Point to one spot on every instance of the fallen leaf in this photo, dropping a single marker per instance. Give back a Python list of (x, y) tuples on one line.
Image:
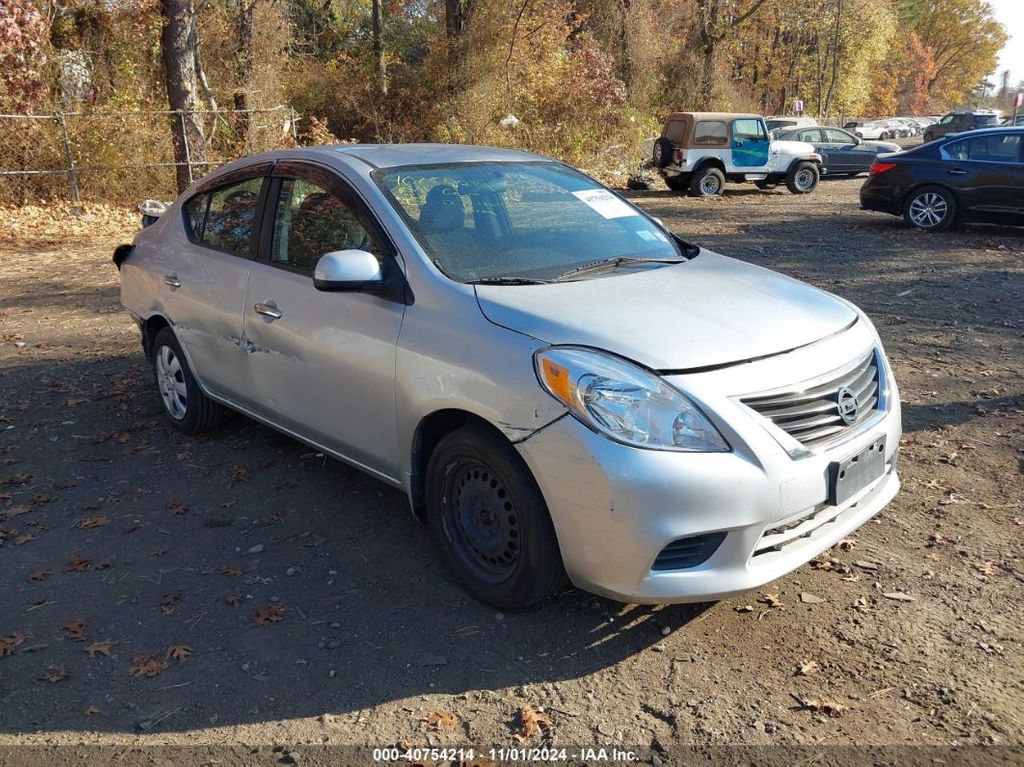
[(37, 576), (234, 599), (78, 564), (24, 538), (101, 648), (820, 706), (9, 644), (167, 602), (92, 710), (55, 674), (270, 614), (772, 600), (145, 665), (178, 652), (532, 722), (231, 571), (177, 508), (74, 630), (14, 511), (807, 668), (441, 722), (238, 474), (91, 522)]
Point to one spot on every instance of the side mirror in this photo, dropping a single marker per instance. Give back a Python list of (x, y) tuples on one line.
[(858, 140), (347, 270)]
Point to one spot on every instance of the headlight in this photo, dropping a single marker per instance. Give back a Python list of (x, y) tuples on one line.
[(625, 402)]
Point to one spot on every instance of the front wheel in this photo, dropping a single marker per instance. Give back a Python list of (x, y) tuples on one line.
[(707, 182), (489, 518), (930, 208), (803, 178), (188, 409)]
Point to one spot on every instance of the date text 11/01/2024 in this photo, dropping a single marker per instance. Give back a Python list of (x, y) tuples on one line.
[(507, 754)]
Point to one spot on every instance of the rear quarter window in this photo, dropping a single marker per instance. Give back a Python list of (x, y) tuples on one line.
[(674, 131), (711, 132)]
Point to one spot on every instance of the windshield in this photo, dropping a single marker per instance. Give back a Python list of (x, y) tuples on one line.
[(986, 119), (511, 221)]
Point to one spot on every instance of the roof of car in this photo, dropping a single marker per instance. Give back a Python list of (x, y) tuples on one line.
[(1016, 130), (392, 155), (697, 116)]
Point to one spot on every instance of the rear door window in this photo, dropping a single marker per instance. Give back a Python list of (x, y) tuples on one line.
[(998, 148), (224, 218)]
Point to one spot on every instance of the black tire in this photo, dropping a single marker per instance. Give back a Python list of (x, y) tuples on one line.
[(662, 152), (677, 183), (190, 413), (708, 181), (766, 185), (803, 177), (927, 137), (507, 558), (884, 136), (930, 208), (859, 135)]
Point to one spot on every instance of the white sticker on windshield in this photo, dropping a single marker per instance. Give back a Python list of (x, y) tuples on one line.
[(605, 203), (646, 234)]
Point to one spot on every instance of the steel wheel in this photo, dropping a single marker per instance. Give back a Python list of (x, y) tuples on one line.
[(804, 179), (170, 379), (480, 520), (928, 210), (710, 185)]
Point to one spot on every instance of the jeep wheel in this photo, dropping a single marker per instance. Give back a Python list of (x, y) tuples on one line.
[(707, 182), (803, 178)]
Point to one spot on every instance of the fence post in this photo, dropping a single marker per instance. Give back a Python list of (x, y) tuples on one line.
[(184, 139), (70, 158)]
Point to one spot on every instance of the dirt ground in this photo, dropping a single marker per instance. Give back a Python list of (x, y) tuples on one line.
[(138, 564)]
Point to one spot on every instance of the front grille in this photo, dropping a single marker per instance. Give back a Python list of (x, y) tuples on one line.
[(688, 552), (812, 415)]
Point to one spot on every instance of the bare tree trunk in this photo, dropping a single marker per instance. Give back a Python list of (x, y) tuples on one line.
[(835, 61), (457, 14), (711, 30), (380, 62), (177, 43), (243, 66)]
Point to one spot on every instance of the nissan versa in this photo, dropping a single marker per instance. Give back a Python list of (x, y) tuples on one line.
[(560, 385)]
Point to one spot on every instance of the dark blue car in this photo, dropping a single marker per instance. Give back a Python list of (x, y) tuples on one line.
[(976, 176)]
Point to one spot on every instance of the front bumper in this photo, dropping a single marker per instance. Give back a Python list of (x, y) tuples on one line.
[(615, 508)]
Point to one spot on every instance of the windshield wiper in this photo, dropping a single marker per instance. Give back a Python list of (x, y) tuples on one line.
[(612, 263), (508, 281)]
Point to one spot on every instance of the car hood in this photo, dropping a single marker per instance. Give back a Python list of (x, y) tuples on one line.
[(793, 147), (884, 146), (705, 312)]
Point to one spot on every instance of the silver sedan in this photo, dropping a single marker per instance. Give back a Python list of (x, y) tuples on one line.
[(561, 386)]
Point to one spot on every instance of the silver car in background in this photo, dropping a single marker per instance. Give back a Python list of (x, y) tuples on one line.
[(560, 385)]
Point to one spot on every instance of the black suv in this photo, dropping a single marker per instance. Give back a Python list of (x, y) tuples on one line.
[(958, 122)]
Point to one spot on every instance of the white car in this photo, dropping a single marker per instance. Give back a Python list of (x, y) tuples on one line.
[(699, 151), (560, 385), (880, 130)]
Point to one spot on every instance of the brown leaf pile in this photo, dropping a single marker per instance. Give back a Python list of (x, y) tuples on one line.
[(101, 648), (10, 643), (178, 652), (74, 630), (78, 564)]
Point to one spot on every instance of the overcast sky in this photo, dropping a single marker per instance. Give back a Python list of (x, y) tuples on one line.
[(1011, 13)]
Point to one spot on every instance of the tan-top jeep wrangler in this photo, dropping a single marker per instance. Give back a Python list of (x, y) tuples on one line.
[(699, 151)]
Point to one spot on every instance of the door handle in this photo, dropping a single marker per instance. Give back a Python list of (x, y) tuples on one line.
[(172, 280), (268, 309), (956, 172)]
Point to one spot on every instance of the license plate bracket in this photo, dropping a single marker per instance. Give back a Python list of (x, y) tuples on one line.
[(848, 477)]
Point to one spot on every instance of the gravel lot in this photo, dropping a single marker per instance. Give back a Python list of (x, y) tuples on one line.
[(113, 527)]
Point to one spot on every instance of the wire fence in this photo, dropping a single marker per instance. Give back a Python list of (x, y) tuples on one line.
[(124, 157)]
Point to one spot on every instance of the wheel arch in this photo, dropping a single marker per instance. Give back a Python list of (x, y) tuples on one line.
[(428, 434), (150, 327), (714, 162), (813, 161)]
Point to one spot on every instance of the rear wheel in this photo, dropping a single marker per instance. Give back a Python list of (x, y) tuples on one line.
[(803, 178), (677, 183), (188, 409), (489, 518), (930, 208), (707, 182)]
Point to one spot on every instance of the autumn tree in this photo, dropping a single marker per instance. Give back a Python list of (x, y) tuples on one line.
[(716, 20), (23, 32), (178, 43)]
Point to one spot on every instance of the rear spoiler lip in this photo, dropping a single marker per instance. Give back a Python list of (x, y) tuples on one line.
[(121, 253)]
